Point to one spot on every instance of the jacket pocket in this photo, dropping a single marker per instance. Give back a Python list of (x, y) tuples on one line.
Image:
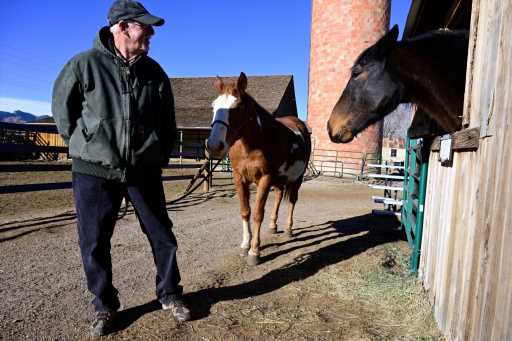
[(148, 155), (78, 139), (101, 145)]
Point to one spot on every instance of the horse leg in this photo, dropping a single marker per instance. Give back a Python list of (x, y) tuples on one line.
[(278, 192), (257, 219), (293, 195), (245, 213)]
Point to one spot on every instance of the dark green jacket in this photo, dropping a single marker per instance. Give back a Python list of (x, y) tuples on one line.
[(117, 118)]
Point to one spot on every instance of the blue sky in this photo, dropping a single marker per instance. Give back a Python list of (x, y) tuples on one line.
[(200, 38)]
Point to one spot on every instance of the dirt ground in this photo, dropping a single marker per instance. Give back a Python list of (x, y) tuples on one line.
[(342, 276)]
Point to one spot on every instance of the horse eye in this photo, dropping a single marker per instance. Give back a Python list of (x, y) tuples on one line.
[(356, 71)]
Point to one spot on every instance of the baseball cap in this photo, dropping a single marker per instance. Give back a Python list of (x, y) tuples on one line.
[(132, 10)]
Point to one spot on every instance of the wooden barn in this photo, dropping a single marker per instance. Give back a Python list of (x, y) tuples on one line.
[(466, 258), (21, 141), (193, 101)]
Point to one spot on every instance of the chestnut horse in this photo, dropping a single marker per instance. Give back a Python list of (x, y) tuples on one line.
[(428, 70), (267, 151)]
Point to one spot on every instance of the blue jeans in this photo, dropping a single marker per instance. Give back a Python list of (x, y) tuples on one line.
[(97, 202)]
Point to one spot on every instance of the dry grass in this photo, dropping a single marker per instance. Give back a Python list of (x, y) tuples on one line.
[(384, 284)]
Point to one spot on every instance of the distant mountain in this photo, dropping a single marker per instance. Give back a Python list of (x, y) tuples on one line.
[(45, 119), (19, 116)]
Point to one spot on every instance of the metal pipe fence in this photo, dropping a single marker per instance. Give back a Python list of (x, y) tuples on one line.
[(339, 163)]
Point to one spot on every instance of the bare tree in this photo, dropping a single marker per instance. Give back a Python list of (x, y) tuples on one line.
[(397, 123)]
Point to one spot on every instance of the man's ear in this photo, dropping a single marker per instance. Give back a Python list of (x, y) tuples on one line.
[(123, 25), (219, 84)]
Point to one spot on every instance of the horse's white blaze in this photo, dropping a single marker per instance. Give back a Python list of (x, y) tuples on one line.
[(220, 113), (246, 237), (294, 171)]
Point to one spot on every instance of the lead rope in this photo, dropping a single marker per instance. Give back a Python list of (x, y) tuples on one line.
[(189, 190)]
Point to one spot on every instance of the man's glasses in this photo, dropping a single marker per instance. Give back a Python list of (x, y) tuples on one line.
[(147, 28)]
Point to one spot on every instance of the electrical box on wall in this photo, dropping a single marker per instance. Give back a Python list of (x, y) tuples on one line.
[(446, 151)]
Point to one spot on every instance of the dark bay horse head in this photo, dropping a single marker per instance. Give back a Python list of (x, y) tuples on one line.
[(428, 70), (229, 115)]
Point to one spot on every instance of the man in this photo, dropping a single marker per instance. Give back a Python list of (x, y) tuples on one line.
[(114, 107)]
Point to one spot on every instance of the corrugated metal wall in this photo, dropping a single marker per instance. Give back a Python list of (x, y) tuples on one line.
[(466, 261)]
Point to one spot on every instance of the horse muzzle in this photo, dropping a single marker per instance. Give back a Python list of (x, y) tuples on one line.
[(340, 135), (216, 149)]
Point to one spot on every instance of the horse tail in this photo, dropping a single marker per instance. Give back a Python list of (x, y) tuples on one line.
[(286, 192), (291, 190)]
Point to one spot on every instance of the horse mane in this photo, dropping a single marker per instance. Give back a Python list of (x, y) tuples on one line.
[(436, 78), (260, 111), (452, 35), (438, 42), (266, 120), (433, 44)]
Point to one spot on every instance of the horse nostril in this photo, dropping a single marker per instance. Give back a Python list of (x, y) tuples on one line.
[(215, 147), (329, 130)]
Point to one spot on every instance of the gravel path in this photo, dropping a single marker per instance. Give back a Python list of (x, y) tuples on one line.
[(327, 282)]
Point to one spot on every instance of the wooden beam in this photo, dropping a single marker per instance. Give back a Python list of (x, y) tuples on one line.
[(31, 127), (464, 140), (29, 148), (413, 18)]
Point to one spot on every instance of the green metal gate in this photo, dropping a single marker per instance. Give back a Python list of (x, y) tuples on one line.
[(415, 185)]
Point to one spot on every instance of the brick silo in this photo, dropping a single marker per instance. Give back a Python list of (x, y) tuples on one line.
[(340, 31)]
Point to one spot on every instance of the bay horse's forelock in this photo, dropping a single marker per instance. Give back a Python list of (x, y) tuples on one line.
[(267, 151)]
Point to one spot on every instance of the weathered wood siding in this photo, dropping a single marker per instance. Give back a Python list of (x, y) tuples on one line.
[(50, 139), (466, 261)]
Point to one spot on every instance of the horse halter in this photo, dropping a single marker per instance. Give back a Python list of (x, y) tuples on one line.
[(221, 122), (235, 132)]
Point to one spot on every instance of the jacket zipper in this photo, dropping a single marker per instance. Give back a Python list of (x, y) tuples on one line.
[(127, 114)]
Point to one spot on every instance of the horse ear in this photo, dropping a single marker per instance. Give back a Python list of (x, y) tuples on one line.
[(392, 34), (385, 42), (242, 82), (219, 84)]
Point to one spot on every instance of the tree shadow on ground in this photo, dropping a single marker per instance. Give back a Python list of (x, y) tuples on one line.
[(379, 230)]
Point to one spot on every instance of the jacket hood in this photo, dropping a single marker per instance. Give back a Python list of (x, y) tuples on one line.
[(104, 42)]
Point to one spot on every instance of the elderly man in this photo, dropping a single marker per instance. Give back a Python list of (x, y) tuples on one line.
[(114, 107)]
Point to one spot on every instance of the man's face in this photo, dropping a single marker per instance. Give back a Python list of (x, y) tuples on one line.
[(138, 37)]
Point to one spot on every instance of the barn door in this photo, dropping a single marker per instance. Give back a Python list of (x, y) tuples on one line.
[(415, 184)]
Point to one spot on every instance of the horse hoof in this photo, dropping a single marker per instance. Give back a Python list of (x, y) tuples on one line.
[(272, 230), (253, 260), (289, 233), (244, 252)]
